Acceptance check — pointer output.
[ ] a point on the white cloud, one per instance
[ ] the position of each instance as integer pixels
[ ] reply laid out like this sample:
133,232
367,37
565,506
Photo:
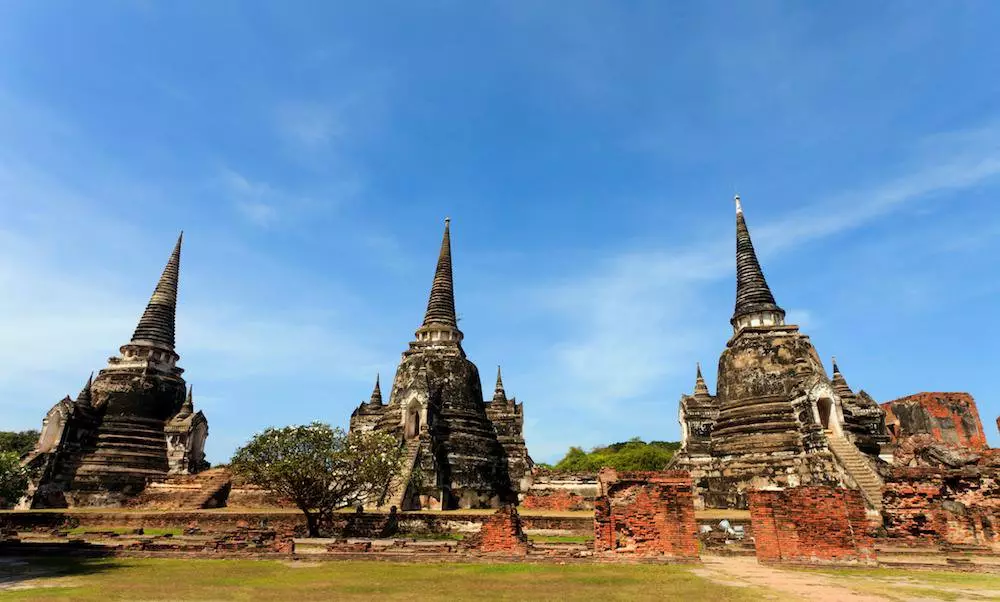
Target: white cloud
637,319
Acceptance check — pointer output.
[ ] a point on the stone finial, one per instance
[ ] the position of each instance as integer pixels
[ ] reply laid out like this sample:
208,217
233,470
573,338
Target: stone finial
85,397
498,392
700,388
157,323
753,296
376,398
441,305
188,406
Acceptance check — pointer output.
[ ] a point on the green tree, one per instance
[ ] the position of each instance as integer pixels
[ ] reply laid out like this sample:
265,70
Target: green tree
18,442
321,469
633,454
13,479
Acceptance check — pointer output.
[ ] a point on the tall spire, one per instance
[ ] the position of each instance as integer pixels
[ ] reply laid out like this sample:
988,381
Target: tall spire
157,323
376,399
754,302
498,393
85,397
441,305
700,388
188,406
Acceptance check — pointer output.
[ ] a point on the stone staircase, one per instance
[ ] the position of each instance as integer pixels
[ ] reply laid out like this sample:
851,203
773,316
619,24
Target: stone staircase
208,489
859,467
396,492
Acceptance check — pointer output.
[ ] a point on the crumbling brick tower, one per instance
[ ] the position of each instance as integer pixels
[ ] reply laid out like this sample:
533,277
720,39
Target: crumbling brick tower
453,456
776,419
133,423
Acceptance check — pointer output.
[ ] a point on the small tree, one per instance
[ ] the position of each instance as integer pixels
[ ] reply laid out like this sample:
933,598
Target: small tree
13,479
321,469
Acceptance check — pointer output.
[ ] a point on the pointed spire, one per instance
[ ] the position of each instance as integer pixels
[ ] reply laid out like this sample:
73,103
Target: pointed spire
157,323
839,382
498,393
753,296
85,397
441,305
188,406
700,388
376,398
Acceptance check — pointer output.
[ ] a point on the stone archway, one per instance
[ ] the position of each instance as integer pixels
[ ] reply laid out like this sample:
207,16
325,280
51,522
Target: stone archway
825,408
412,424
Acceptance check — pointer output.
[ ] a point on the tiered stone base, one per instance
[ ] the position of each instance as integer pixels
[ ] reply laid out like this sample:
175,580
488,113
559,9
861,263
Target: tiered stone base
130,452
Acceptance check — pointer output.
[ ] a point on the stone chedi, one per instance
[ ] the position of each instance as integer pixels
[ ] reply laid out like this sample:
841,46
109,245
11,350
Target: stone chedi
460,451
776,419
132,423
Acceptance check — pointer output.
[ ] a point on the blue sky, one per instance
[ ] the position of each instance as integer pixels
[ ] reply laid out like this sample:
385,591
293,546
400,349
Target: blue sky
586,152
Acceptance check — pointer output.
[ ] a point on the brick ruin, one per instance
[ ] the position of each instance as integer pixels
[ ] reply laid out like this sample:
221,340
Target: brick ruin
560,490
501,534
460,450
950,418
777,419
942,505
134,423
811,524
645,514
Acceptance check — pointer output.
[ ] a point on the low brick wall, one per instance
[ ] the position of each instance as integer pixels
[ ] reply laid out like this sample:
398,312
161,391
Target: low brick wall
646,514
812,524
929,505
345,524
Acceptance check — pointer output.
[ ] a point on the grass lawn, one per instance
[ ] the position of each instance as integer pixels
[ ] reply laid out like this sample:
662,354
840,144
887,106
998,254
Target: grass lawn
897,584
168,579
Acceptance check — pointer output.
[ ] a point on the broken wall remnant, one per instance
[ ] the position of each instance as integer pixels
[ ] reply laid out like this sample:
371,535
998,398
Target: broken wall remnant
950,418
941,505
811,524
561,491
646,514
502,533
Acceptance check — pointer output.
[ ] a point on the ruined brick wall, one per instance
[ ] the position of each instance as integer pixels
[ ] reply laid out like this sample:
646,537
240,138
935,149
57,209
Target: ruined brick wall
646,514
933,505
950,418
814,523
502,533
561,491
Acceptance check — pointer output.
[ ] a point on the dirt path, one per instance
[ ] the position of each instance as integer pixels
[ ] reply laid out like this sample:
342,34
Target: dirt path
743,571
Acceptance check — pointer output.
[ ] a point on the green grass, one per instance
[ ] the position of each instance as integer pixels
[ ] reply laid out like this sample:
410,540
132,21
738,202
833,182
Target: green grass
175,531
901,584
161,579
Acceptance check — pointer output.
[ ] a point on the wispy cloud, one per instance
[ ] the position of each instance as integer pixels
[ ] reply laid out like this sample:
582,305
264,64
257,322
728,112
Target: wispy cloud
638,319
310,125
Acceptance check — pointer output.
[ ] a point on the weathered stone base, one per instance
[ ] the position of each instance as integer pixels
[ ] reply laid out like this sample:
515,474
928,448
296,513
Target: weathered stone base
725,482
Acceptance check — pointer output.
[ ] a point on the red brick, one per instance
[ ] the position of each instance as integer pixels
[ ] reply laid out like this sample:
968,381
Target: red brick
646,514
810,524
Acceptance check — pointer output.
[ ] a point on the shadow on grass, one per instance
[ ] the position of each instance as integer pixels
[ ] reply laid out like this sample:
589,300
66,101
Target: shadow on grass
20,562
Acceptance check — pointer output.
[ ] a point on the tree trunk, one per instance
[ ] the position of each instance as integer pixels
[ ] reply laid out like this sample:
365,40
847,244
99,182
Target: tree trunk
312,523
